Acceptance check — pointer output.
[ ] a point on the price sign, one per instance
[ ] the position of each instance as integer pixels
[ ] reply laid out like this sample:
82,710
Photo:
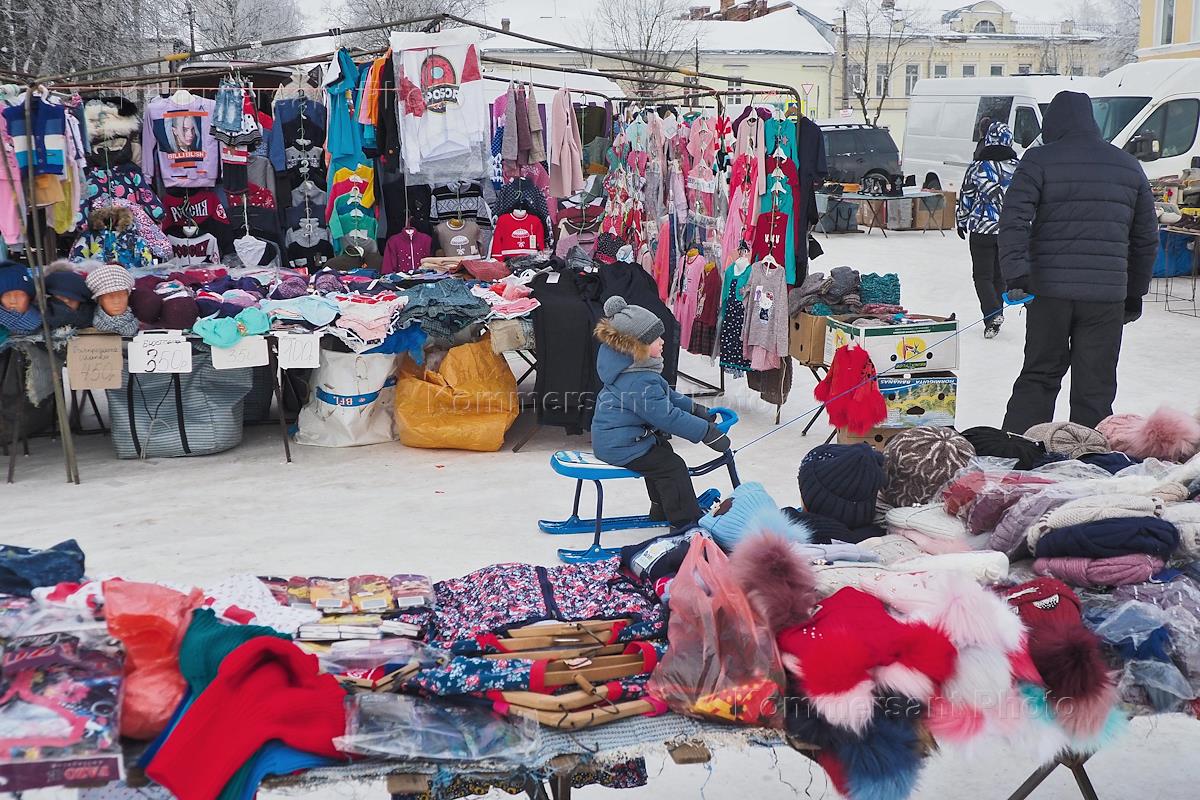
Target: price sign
250,351
299,350
152,352
94,362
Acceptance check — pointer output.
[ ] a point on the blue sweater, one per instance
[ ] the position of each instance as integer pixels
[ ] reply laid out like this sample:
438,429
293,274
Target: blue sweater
631,405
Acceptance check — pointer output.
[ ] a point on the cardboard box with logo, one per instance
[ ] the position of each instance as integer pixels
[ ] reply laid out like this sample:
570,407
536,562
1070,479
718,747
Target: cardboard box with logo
806,339
914,400
925,346
876,437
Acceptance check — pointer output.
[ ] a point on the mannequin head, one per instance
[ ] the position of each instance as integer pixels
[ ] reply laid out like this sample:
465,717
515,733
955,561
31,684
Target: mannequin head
114,303
16,287
111,284
66,285
16,301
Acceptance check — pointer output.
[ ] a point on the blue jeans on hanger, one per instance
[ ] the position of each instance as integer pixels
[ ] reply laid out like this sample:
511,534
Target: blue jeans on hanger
227,117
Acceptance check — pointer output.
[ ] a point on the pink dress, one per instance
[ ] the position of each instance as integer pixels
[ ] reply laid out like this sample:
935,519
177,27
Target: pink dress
743,207
12,201
686,299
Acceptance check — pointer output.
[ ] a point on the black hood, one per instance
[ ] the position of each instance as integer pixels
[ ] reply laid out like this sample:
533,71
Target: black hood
1069,114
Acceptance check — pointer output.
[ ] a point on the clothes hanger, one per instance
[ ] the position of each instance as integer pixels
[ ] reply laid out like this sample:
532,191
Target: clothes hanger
182,97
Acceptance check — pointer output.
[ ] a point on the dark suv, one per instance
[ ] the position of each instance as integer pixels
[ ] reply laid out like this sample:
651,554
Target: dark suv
852,150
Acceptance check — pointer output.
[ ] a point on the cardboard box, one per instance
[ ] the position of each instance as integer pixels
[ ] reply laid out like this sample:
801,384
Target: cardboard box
913,400
876,437
806,341
941,218
898,212
897,349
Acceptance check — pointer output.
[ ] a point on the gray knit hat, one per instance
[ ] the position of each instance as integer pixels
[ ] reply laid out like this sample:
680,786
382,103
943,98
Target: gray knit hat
640,323
1069,438
920,461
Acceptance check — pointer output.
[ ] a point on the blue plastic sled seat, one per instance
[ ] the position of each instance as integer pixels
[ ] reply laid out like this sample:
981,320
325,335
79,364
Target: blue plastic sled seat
584,466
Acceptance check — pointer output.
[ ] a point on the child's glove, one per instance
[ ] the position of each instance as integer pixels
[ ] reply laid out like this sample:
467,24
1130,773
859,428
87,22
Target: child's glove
717,440
703,412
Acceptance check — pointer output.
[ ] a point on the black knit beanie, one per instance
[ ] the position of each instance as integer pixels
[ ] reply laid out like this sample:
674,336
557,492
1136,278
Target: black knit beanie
842,482
824,529
1002,444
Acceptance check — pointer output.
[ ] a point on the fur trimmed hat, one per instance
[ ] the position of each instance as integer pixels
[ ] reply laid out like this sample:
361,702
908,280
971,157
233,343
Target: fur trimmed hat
1167,434
922,460
1069,438
1079,688
115,218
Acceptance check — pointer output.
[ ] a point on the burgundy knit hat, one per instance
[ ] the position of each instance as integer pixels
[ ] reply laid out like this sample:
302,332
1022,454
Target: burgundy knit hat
146,305
179,313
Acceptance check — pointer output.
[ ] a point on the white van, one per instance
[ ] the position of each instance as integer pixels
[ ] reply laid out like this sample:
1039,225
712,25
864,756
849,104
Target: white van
1151,109
944,115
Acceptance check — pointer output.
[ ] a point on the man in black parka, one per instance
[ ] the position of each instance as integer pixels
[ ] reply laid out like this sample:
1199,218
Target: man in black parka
1078,230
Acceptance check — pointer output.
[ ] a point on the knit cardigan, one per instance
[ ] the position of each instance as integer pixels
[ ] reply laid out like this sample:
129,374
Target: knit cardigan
566,150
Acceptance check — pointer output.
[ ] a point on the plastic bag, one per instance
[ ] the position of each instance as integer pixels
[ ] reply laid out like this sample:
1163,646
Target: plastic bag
351,403
722,662
398,726
150,620
468,404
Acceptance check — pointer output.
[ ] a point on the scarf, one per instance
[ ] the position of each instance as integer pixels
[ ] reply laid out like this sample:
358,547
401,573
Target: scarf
125,324
648,364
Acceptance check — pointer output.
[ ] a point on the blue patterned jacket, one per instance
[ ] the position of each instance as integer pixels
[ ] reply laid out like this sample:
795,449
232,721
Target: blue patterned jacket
981,196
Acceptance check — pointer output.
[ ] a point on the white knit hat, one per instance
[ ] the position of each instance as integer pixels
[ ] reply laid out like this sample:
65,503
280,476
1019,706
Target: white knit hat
1093,509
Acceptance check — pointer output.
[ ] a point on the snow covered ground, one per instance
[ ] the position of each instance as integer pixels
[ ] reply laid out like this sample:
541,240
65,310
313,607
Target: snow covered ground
389,509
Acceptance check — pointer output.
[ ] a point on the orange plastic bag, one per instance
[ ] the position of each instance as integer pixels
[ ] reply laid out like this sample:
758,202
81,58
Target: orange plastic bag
468,404
150,620
722,662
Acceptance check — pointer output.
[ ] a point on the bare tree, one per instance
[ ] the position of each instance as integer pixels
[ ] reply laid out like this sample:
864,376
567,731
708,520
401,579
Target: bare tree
1117,21
226,22
43,37
882,37
356,13
656,31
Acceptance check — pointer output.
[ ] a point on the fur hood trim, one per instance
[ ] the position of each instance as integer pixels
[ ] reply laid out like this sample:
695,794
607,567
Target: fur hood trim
111,117
621,342
115,217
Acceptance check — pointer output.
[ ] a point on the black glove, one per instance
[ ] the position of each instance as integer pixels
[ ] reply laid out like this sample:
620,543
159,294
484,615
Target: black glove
717,440
1133,309
703,412
1018,288
962,233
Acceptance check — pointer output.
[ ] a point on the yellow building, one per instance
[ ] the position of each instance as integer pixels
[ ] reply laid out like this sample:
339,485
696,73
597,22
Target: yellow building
740,41
1170,29
979,40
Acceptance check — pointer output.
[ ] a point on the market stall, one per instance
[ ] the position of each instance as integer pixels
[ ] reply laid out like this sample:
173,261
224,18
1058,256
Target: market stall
333,189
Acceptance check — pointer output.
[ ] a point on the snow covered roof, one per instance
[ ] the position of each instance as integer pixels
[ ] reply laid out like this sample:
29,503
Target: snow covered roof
574,22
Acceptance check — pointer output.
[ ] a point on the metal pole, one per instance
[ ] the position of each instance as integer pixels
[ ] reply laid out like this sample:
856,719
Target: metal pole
37,259
845,62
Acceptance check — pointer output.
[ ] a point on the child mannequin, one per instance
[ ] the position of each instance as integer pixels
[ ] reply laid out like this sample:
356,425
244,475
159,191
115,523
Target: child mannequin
16,299
637,410
111,284
68,300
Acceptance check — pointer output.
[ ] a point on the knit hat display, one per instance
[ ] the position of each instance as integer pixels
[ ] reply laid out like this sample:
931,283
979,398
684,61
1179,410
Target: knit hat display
922,460
1093,508
852,646
1091,573
1079,688
1167,434
15,277
640,323
824,529
1002,444
730,520
146,306
1069,438
931,528
179,313
1186,519
842,482
1108,538
68,284
109,278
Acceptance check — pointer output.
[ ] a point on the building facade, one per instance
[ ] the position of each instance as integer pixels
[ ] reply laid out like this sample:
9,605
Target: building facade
741,41
1169,29
980,40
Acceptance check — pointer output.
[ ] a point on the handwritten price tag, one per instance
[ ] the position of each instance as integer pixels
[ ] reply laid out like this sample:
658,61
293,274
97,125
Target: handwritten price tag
160,352
94,362
250,351
299,350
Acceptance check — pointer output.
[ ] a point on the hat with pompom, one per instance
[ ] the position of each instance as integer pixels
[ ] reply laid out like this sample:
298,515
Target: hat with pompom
635,321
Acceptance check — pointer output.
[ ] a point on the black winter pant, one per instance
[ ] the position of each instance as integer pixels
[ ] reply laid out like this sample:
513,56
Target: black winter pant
1062,335
985,269
668,484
